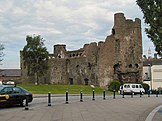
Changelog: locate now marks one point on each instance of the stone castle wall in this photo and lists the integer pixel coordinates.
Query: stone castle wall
(118, 57)
(75, 67)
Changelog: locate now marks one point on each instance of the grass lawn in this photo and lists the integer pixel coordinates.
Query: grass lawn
(61, 89)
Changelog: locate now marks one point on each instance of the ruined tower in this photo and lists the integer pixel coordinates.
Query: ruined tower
(59, 51)
(120, 56)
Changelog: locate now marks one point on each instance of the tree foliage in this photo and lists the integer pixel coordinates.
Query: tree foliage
(35, 56)
(1, 52)
(146, 87)
(152, 10)
(114, 85)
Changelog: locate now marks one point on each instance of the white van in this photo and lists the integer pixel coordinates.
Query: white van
(132, 88)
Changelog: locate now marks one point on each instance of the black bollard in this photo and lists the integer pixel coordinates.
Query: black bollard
(131, 94)
(49, 98)
(104, 95)
(26, 104)
(81, 96)
(67, 97)
(140, 93)
(123, 94)
(114, 94)
(93, 96)
(156, 93)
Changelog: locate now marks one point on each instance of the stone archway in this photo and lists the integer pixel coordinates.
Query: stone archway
(86, 81)
(71, 81)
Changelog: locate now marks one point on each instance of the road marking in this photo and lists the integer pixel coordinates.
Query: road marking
(151, 115)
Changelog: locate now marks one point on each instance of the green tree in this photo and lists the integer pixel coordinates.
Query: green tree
(1, 52)
(146, 87)
(35, 56)
(152, 10)
(114, 85)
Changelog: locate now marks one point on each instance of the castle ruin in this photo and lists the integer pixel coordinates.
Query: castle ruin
(118, 57)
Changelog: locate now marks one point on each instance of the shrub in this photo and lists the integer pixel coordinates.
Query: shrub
(115, 84)
(145, 86)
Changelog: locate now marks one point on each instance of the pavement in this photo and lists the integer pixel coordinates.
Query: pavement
(119, 109)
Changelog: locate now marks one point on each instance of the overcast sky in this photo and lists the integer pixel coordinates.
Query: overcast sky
(70, 22)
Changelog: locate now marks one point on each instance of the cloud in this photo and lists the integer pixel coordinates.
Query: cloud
(72, 22)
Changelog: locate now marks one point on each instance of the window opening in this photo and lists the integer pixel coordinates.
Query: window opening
(130, 65)
(136, 65)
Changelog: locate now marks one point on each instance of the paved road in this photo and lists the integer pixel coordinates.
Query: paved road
(119, 109)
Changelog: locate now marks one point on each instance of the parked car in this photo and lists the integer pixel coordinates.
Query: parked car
(131, 88)
(11, 95)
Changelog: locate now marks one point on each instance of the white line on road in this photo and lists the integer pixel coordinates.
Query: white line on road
(151, 115)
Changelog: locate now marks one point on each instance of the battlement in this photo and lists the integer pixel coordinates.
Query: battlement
(124, 27)
(121, 21)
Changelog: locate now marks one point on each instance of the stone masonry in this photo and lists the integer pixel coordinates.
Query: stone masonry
(118, 57)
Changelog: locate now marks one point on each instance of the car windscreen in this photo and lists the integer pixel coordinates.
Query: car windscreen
(23, 90)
